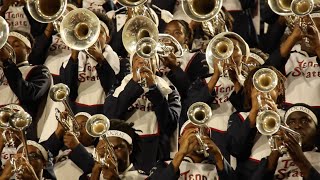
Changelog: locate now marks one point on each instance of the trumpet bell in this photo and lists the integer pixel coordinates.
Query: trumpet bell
(220, 48)
(265, 80)
(281, 7)
(131, 3)
(201, 10)
(97, 125)
(46, 11)
(4, 32)
(168, 44)
(80, 29)
(59, 92)
(20, 120)
(268, 122)
(302, 7)
(146, 47)
(199, 113)
(137, 28)
(5, 114)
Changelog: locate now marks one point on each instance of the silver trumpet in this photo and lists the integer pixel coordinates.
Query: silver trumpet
(60, 93)
(199, 113)
(97, 126)
(268, 122)
(168, 44)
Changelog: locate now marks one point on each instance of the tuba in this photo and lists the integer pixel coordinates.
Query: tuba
(80, 29)
(60, 93)
(97, 126)
(46, 11)
(199, 113)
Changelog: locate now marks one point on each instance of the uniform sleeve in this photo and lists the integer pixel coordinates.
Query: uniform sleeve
(106, 75)
(39, 50)
(198, 92)
(180, 80)
(116, 107)
(31, 89)
(261, 173)
(237, 100)
(82, 158)
(167, 111)
(227, 173)
(53, 144)
(314, 174)
(198, 67)
(163, 171)
(240, 136)
(277, 61)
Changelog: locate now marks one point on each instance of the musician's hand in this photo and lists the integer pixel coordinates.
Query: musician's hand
(96, 52)
(170, 61)
(70, 140)
(4, 55)
(27, 171)
(7, 171)
(215, 151)
(296, 34)
(297, 155)
(188, 141)
(314, 37)
(74, 55)
(109, 171)
(148, 75)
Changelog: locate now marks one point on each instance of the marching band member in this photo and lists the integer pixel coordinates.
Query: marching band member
(27, 170)
(124, 139)
(188, 163)
(301, 161)
(91, 76)
(298, 59)
(183, 71)
(73, 159)
(24, 84)
(154, 109)
(243, 142)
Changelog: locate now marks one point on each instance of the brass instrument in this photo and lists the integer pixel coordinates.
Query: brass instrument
(60, 93)
(80, 29)
(199, 113)
(56, 23)
(137, 28)
(46, 11)
(268, 122)
(4, 46)
(97, 126)
(168, 44)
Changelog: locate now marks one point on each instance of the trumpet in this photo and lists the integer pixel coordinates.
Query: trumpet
(60, 93)
(268, 122)
(168, 44)
(97, 126)
(199, 113)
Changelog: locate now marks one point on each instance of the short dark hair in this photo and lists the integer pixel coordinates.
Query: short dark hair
(248, 84)
(104, 18)
(121, 125)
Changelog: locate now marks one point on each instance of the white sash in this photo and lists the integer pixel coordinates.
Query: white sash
(58, 54)
(17, 19)
(303, 82)
(286, 168)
